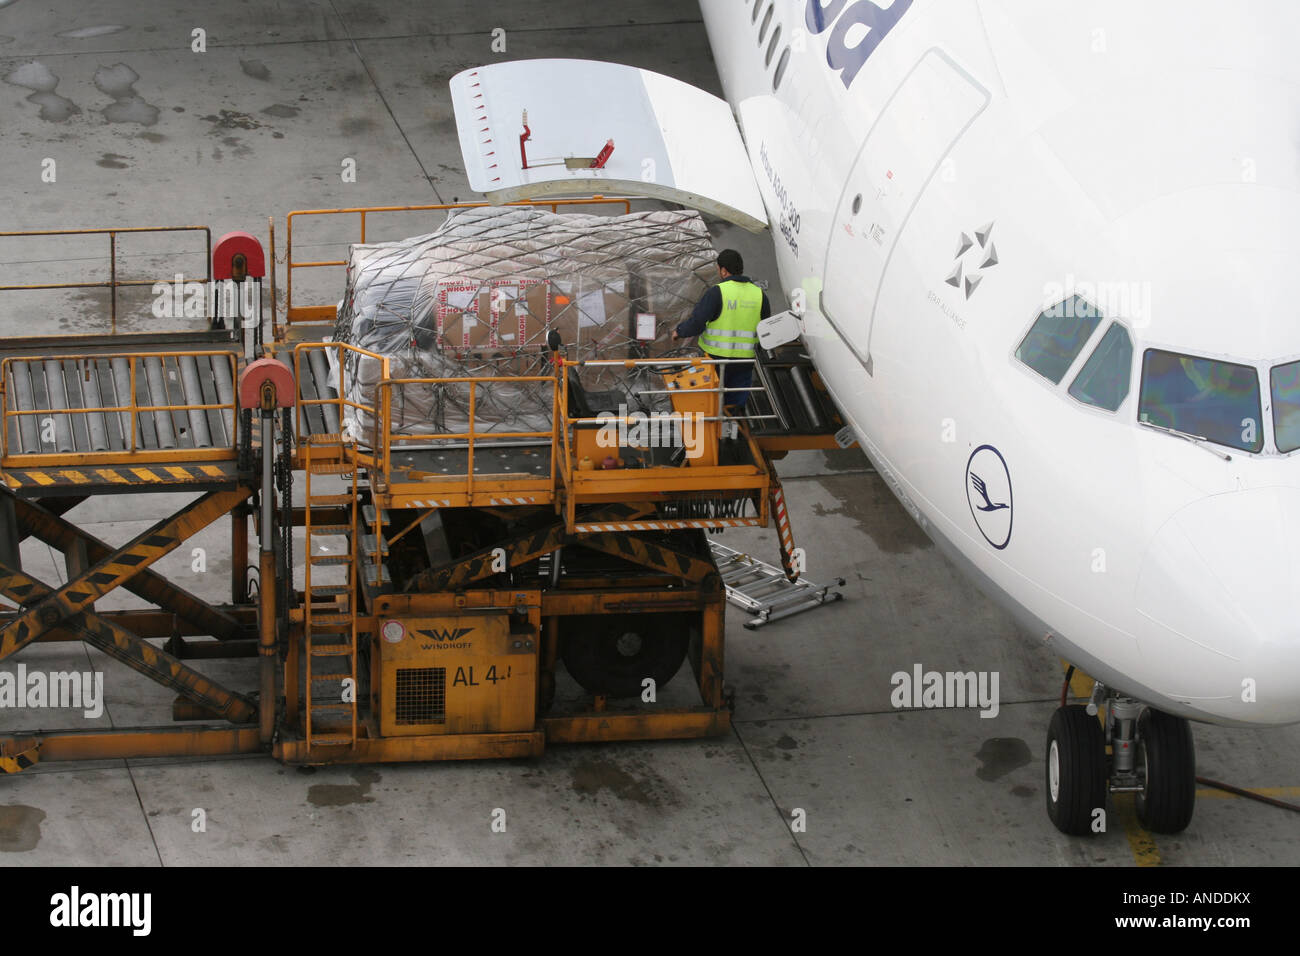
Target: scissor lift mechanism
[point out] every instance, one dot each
(443, 575)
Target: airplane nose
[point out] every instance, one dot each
(1217, 605)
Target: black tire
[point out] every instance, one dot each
(1167, 755)
(1074, 769)
(612, 654)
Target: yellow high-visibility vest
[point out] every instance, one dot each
(734, 333)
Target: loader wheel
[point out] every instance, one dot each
(612, 654)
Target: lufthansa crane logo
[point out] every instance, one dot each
(968, 272)
(988, 492)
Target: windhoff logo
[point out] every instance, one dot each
(933, 689)
(39, 690)
(639, 430)
(77, 909)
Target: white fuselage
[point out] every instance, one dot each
(1141, 155)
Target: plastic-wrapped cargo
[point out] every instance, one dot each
(478, 296)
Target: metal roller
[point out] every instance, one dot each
(28, 428)
(58, 398)
(96, 424)
(225, 390)
(157, 381)
(320, 371)
(122, 398)
(194, 396)
(803, 386)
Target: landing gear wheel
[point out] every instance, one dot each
(612, 654)
(1075, 769)
(1166, 757)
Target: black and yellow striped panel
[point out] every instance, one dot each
(19, 762)
(120, 476)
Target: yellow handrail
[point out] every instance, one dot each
(387, 436)
(319, 313)
(113, 283)
(340, 400)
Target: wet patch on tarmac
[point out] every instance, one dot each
(118, 81)
(1000, 756)
(256, 69)
(86, 33)
(230, 119)
(281, 111)
(112, 161)
(594, 775)
(345, 794)
(875, 511)
(36, 76)
(20, 828)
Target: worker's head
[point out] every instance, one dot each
(730, 263)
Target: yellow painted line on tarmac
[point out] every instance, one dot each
(1276, 792)
(1140, 841)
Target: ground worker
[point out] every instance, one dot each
(726, 320)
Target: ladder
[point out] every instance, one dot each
(330, 613)
(764, 590)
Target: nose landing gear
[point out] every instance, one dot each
(1151, 755)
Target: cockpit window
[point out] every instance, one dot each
(1217, 401)
(1057, 336)
(1103, 380)
(1285, 380)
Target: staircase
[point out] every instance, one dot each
(330, 613)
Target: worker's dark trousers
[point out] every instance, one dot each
(739, 375)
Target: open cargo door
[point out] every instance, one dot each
(532, 128)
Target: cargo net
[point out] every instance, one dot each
(477, 298)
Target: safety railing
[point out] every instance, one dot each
(321, 313)
(304, 363)
(390, 437)
(113, 283)
(33, 427)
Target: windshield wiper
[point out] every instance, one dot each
(1199, 441)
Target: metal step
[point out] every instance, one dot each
(331, 740)
(370, 575)
(763, 589)
(328, 590)
(320, 501)
(331, 529)
(333, 676)
(331, 559)
(328, 619)
(331, 650)
(368, 545)
(332, 467)
(368, 513)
